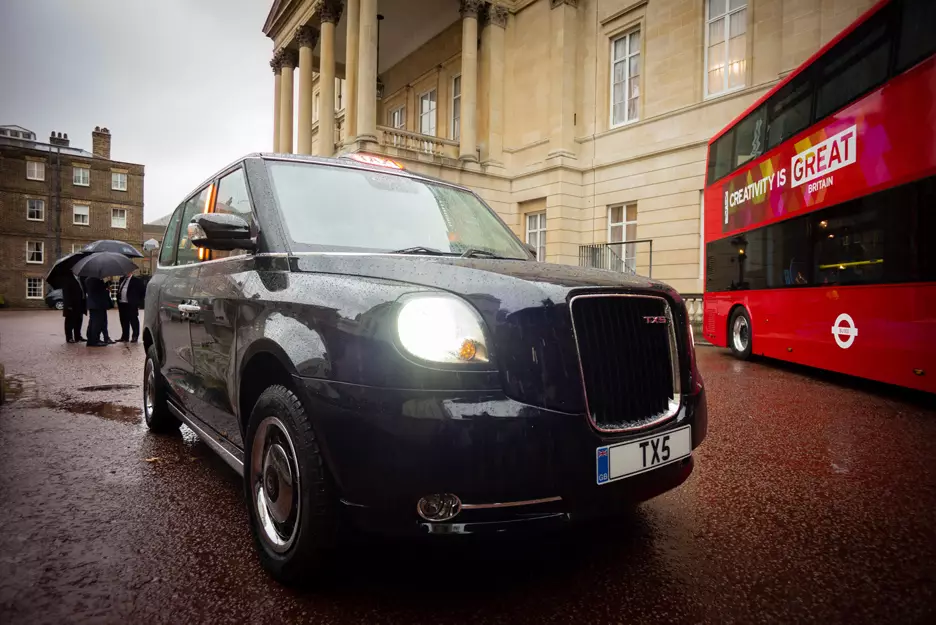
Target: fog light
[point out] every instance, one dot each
(439, 507)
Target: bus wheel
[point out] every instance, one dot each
(739, 333)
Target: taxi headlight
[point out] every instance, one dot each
(442, 329)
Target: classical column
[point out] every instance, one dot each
(352, 39)
(562, 78)
(494, 36)
(290, 60)
(277, 96)
(367, 73)
(330, 13)
(468, 137)
(306, 37)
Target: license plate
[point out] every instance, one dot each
(615, 462)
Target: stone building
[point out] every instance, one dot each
(55, 199)
(583, 123)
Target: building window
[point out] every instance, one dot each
(35, 210)
(625, 78)
(35, 170)
(118, 181)
(81, 215)
(622, 228)
(35, 252)
(118, 218)
(427, 113)
(398, 118)
(536, 234)
(77, 247)
(81, 177)
(33, 288)
(456, 108)
(726, 45)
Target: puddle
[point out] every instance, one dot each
(108, 387)
(104, 410)
(24, 391)
(19, 387)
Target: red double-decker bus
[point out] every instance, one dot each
(820, 208)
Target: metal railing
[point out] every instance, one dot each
(632, 257)
(416, 142)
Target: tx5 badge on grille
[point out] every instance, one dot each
(645, 454)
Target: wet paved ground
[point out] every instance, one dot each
(813, 500)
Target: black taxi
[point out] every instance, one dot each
(376, 349)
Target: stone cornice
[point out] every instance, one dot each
(558, 3)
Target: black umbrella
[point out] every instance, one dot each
(103, 265)
(117, 247)
(62, 269)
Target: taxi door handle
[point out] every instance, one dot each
(189, 308)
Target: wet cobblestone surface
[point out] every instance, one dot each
(813, 500)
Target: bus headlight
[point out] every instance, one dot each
(442, 329)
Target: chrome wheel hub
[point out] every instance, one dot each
(740, 334)
(274, 476)
(149, 390)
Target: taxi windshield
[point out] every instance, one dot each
(329, 208)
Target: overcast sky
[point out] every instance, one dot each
(184, 86)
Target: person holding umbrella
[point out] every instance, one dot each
(75, 307)
(73, 296)
(130, 294)
(95, 267)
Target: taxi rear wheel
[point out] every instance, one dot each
(156, 411)
(739, 333)
(290, 497)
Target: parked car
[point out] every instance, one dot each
(55, 299)
(376, 348)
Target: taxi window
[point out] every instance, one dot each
(167, 253)
(186, 253)
(234, 198)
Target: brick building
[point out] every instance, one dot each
(583, 123)
(54, 199)
(154, 230)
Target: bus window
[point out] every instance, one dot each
(788, 112)
(720, 157)
(856, 65)
(749, 138)
(917, 27)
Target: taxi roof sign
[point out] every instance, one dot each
(373, 159)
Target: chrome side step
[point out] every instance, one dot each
(230, 457)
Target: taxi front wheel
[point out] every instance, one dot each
(290, 496)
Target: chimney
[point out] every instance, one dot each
(58, 139)
(100, 142)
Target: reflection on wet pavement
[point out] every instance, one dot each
(813, 499)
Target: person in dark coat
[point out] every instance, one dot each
(99, 301)
(130, 295)
(73, 298)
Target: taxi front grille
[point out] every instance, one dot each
(628, 359)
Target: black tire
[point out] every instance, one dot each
(739, 333)
(156, 411)
(309, 533)
(60, 305)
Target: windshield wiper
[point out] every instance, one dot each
(476, 253)
(419, 249)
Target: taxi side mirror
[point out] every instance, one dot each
(220, 231)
